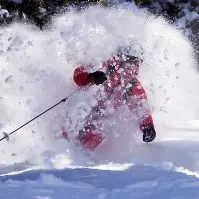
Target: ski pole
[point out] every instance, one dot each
(7, 135)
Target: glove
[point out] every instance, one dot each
(149, 134)
(97, 77)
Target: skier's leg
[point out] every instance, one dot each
(89, 138)
(91, 135)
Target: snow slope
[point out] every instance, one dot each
(135, 182)
(36, 72)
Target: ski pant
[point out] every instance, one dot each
(135, 98)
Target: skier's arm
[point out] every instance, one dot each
(148, 129)
(146, 120)
(82, 78)
(137, 102)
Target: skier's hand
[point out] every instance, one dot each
(97, 77)
(149, 134)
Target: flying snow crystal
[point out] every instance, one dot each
(9, 79)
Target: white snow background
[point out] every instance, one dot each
(36, 72)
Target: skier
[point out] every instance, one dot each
(119, 78)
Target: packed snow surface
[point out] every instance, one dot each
(36, 72)
(136, 182)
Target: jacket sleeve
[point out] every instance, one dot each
(137, 102)
(80, 77)
(146, 121)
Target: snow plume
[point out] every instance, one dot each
(37, 69)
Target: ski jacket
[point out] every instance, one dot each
(122, 84)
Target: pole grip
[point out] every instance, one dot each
(6, 136)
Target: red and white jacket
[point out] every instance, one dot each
(123, 85)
